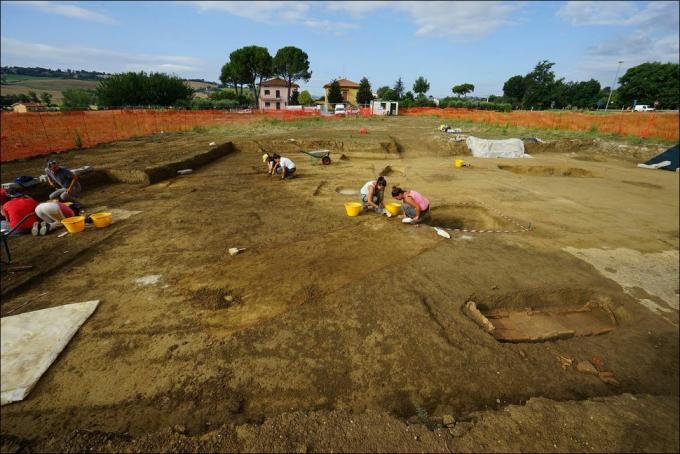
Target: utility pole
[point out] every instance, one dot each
(611, 90)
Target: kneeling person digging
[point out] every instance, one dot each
(416, 207)
(284, 167)
(373, 195)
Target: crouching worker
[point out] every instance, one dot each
(64, 181)
(18, 207)
(373, 194)
(283, 166)
(269, 161)
(415, 206)
(51, 213)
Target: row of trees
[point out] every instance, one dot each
(250, 65)
(31, 96)
(52, 73)
(648, 83)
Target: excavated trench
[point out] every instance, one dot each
(547, 171)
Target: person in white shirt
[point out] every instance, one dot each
(372, 195)
(283, 166)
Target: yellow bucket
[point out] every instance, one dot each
(101, 220)
(74, 224)
(393, 208)
(459, 163)
(353, 208)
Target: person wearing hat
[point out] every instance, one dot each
(65, 181)
(14, 210)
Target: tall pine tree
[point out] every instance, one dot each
(364, 94)
(334, 93)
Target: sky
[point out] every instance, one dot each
(448, 43)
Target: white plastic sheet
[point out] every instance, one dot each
(30, 342)
(509, 148)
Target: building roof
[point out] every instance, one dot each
(344, 83)
(278, 82)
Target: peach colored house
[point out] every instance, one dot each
(348, 89)
(274, 94)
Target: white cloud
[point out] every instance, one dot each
(67, 9)
(653, 16)
(21, 53)
(328, 25)
(649, 32)
(457, 19)
(357, 9)
(465, 20)
(272, 12)
(264, 11)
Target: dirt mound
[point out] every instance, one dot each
(390, 171)
(547, 171)
(468, 217)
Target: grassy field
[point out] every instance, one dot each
(55, 87)
(23, 84)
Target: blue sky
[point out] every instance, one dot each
(483, 43)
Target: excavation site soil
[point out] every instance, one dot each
(328, 332)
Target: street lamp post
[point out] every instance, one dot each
(611, 90)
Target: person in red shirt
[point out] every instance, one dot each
(51, 213)
(15, 209)
(3, 196)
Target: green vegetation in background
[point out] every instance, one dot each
(142, 89)
(462, 89)
(647, 83)
(9, 78)
(12, 71)
(364, 93)
(651, 82)
(291, 64)
(305, 98)
(78, 98)
(334, 93)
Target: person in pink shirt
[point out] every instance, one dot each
(414, 204)
(51, 214)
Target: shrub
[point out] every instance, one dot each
(142, 89)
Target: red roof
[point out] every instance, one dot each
(344, 83)
(278, 82)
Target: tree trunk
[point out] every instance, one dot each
(290, 86)
(258, 87)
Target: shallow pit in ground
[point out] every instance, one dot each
(547, 171)
(543, 315)
(467, 216)
(214, 298)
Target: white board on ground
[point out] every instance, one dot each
(484, 148)
(32, 341)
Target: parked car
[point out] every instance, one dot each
(340, 110)
(643, 108)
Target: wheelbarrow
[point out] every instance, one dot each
(324, 155)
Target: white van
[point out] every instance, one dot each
(340, 109)
(643, 108)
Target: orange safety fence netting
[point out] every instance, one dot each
(30, 134)
(662, 125)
